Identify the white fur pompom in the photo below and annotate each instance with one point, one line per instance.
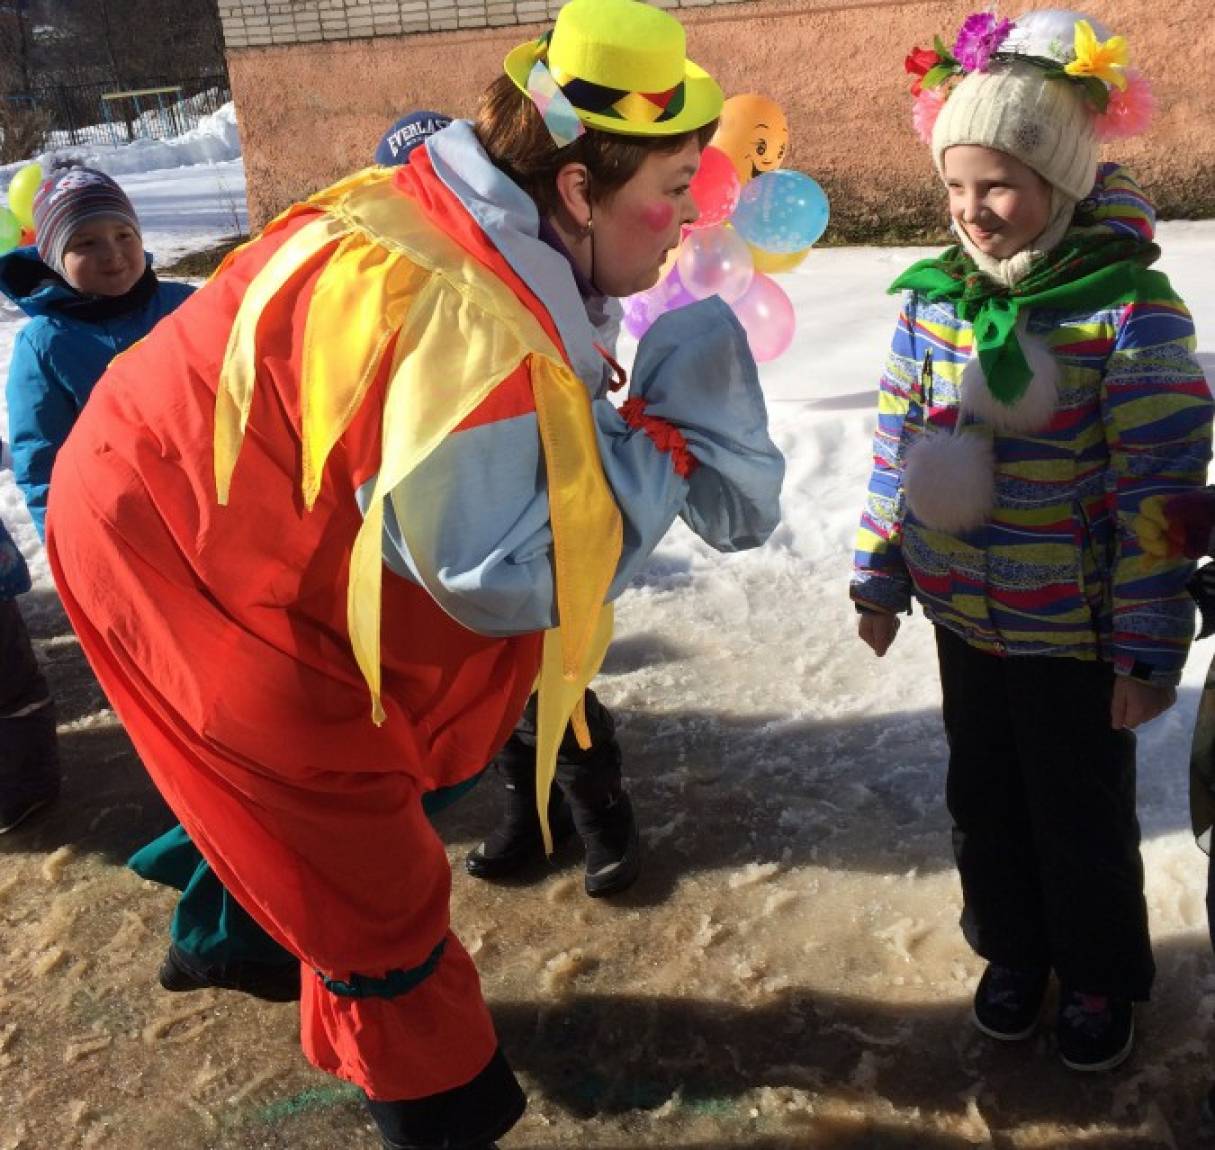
(1035, 409)
(950, 480)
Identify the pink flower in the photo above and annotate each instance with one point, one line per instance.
(980, 36)
(925, 110)
(1130, 110)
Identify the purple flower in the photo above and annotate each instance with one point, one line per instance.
(980, 36)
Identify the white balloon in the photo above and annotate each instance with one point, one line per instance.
(1049, 33)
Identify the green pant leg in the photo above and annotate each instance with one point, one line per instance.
(208, 924)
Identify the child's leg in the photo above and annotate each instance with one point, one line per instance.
(29, 749)
(1080, 779)
(209, 925)
(588, 791)
(1002, 915)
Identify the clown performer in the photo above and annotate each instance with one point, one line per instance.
(377, 493)
(588, 795)
(1041, 386)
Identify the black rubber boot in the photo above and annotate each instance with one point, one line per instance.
(516, 840)
(603, 813)
(470, 1117)
(274, 983)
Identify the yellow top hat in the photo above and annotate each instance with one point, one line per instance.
(622, 66)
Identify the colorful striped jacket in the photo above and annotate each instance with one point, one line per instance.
(1055, 569)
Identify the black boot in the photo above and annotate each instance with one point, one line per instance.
(271, 982)
(603, 814)
(516, 840)
(469, 1117)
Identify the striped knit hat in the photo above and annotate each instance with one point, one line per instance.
(71, 198)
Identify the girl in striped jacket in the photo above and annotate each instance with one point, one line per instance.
(1040, 386)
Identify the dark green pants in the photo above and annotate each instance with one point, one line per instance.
(209, 924)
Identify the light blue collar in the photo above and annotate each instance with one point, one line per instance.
(509, 218)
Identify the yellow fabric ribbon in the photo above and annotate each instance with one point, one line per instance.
(459, 331)
(357, 307)
(237, 377)
(560, 701)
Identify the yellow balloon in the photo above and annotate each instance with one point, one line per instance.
(754, 133)
(21, 194)
(769, 262)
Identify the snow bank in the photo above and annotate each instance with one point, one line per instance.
(214, 140)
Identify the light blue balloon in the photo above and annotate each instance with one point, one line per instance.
(781, 212)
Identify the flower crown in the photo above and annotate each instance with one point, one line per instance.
(1120, 97)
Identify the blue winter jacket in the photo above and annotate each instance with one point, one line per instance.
(61, 354)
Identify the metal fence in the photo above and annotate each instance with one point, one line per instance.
(105, 114)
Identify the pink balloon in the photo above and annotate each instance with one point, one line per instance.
(642, 309)
(767, 317)
(715, 261)
(715, 188)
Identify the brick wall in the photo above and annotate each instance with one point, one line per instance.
(257, 23)
(312, 110)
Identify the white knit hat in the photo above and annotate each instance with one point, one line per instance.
(1019, 108)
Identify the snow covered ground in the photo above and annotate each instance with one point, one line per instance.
(788, 971)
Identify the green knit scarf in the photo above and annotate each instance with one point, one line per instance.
(1085, 272)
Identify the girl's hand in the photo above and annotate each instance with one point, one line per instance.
(878, 629)
(1136, 702)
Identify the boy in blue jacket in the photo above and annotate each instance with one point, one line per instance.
(91, 293)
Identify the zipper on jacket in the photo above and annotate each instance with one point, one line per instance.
(926, 387)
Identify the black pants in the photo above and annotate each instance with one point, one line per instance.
(589, 778)
(1042, 793)
(467, 1117)
(29, 755)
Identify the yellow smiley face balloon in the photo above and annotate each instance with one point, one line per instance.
(754, 133)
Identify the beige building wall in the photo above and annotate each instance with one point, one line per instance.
(313, 104)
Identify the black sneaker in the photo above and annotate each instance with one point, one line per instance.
(268, 981)
(1008, 1001)
(1096, 1031)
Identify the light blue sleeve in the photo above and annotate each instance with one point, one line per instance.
(471, 525)
(41, 412)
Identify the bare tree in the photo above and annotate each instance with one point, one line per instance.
(14, 47)
(124, 43)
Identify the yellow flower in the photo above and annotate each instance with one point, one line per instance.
(1094, 58)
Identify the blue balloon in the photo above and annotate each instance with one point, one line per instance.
(781, 212)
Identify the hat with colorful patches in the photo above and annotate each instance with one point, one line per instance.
(619, 66)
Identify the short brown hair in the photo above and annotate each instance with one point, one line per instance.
(514, 134)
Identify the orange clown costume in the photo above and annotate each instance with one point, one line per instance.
(316, 533)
